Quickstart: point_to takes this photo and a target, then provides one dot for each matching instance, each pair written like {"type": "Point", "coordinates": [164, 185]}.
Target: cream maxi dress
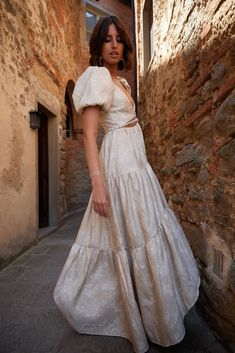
{"type": "Point", "coordinates": [132, 274]}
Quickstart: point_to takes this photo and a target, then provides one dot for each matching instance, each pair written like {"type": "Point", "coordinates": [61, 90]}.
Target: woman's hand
{"type": "Point", "coordinates": [100, 200]}
{"type": "Point", "coordinates": [91, 117]}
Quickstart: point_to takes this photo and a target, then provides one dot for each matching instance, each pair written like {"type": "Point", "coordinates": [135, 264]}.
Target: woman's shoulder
{"type": "Point", "coordinates": [94, 79]}
{"type": "Point", "coordinates": [93, 87]}
{"type": "Point", "coordinates": [96, 73]}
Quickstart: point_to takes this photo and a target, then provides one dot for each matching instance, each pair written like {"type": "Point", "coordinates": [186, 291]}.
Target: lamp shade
{"type": "Point", "coordinates": [35, 119]}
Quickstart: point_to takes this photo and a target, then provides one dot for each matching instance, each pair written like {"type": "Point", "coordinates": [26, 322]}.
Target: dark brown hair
{"type": "Point", "coordinates": [98, 37]}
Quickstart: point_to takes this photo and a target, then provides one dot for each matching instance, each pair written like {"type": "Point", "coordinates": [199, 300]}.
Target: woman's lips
{"type": "Point", "coordinates": [114, 54]}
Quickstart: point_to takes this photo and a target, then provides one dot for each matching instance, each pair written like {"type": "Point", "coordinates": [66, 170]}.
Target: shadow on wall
{"type": "Point", "coordinates": [77, 180]}
{"type": "Point", "coordinates": [187, 106]}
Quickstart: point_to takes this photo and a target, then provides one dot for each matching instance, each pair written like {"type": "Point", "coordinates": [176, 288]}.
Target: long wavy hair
{"type": "Point", "coordinates": [98, 37]}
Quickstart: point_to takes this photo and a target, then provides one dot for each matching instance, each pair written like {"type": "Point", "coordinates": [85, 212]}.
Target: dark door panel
{"type": "Point", "coordinates": [43, 172]}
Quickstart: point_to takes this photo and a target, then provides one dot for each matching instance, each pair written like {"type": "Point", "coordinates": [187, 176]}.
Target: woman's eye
{"type": "Point", "coordinates": [108, 39]}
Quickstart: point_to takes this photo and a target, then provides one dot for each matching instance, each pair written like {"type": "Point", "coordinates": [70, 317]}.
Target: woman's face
{"type": "Point", "coordinates": [112, 48]}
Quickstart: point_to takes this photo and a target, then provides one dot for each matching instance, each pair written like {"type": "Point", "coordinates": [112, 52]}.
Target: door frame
{"type": "Point", "coordinates": [52, 167]}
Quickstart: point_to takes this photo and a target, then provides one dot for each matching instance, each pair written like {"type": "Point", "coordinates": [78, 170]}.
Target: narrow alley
{"type": "Point", "coordinates": [31, 323]}
{"type": "Point", "coordinates": [182, 80]}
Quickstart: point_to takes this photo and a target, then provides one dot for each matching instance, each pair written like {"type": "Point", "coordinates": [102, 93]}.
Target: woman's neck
{"type": "Point", "coordinates": [112, 69]}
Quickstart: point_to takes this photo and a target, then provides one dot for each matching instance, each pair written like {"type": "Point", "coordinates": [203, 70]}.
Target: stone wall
{"type": "Point", "coordinates": [187, 111]}
{"type": "Point", "coordinates": [39, 51]}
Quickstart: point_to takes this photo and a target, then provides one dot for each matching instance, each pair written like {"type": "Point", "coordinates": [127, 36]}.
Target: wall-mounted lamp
{"type": "Point", "coordinates": [35, 119]}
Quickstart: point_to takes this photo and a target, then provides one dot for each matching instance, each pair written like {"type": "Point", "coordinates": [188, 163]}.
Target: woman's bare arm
{"type": "Point", "coordinates": [91, 117]}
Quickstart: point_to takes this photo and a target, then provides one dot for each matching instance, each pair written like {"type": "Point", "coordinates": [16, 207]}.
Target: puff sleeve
{"type": "Point", "coordinates": [93, 87]}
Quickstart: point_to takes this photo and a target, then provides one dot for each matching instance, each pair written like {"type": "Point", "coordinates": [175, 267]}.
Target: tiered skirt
{"type": "Point", "coordinates": [132, 274]}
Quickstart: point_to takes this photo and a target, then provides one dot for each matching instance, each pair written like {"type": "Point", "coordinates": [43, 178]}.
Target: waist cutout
{"type": "Point", "coordinates": [129, 123]}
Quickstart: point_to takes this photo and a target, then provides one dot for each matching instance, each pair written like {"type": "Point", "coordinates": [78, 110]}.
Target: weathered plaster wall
{"type": "Point", "coordinates": [39, 53]}
{"type": "Point", "coordinates": [187, 109]}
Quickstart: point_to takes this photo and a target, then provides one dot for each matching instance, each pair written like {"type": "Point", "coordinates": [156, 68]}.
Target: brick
{"type": "Point", "coordinates": [224, 90]}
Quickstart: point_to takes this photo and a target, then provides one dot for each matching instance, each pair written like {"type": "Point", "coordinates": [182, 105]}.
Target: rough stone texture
{"type": "Point", "coordinates": [31, 323]}
{"type": "Point", "coordinates": [186, 105]}
{"type": "Point", "coordinates": [225, 117]}
{"type": "Point", "coordinates": [78, 185]}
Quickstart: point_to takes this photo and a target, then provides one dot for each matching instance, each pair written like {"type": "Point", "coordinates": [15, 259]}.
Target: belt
{"type": "Point", "coordinates": [123, 125]}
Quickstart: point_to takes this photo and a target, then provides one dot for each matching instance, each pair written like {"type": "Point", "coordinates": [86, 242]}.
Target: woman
{"type": "Point", "coordinates": [131, 271]}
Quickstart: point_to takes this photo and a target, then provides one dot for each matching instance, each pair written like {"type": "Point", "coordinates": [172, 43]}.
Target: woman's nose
{"type": "Point", "coordinates": [114, 43]}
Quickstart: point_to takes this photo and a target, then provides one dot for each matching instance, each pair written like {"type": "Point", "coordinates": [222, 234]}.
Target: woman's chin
{"type": "Point", "coordinates": [111, 63]}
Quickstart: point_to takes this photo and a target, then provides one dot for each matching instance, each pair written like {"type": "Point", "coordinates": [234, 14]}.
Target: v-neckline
{"type": "Point", "coordinates": [119, 84]}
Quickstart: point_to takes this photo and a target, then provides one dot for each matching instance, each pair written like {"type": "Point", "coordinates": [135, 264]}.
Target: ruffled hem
{"type": "Point", "coordinates": [136, 294]}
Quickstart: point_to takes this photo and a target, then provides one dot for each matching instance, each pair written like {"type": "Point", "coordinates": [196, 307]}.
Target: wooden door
{"type": "Point", "coordinates": [43, 182]}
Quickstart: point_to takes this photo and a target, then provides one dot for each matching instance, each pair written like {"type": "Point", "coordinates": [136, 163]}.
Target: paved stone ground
{"type": "Point", "coordinates": [31, 323]}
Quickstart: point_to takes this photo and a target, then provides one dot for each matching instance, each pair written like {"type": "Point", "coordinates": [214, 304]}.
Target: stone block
{"type": "Point", "coordinates": [217, 74]}
{"type": "Point", "coordinates": [177, 199]}
{"type": "Point", "coordinates": [200, 195]}
{"type": "Point", "coordinates": [224, 89]}
{"type": "Point", "coordinates": [216, 300]}
{"type": "Point", "coordinates": [197, 241]}
{"type": "Point", "coordinates": [222, 220]}
{"type": "Point", "coordinates": [203, 109]}
{"type": "Point", "coordinates": [226, 233]}
{"type": "Point", "coordinates": [227, 154]}
{"type": "Point", "coordinates": [182, 110]}
{"type": "Point", "coordinates": [192, 171]}
{"type": "Point", "coordinates": [222, 201]}
{"type": "Point", "coordinates": [168, 170]}
{"type": "Point", "coordinates": [224, 118]}
{"type": "Point", "coordinates": [196, 211]}
{"type": "Point", "coordinates": [232, 276]}
{"type": "Point", "coordinates": [192, 104]}
{"type": "Point", "coordinates": [180, 134]}
{"type": "Point", "coordinates": [189, 154]}
{"type": "Point", "coordinates": [203, 176]}
{"type": "Point", "coordinates": [204, 128]}
{"type": "Point", "coordinates": [206, 92]}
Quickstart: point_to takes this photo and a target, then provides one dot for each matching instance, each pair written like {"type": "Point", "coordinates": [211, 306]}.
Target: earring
{"type": "Point", "coordinates": [122, 62]}
{"type": "Point", "coordinates": [100, 61]}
